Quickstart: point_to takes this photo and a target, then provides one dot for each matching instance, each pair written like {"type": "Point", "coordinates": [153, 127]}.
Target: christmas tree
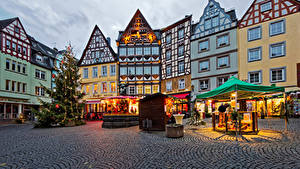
{"type": "Point", "coordinates": [65, 108]}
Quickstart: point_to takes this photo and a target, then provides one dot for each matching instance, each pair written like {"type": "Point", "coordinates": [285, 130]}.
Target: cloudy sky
{"type": "Point", "coordinates": [58, 22]}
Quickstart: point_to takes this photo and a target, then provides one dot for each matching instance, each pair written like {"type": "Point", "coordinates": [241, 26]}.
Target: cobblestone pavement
{"type": "Point", "coordinates": [90, 146]}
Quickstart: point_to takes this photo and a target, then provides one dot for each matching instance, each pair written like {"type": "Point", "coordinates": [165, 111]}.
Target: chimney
{"type": "Point", "coordinates": [108, 40]}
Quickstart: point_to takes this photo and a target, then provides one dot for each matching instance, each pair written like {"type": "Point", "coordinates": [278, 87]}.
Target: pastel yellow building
{"type": "Point", "coordinates": [268, 43]}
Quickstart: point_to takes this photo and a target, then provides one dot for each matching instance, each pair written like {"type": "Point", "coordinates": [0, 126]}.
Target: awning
{"type": "Point", "coordinates": [93, 102]}
{"type": "Point", "coordinates": [121, 97]}
{"type": "Point", "coordinates": [181, 96]}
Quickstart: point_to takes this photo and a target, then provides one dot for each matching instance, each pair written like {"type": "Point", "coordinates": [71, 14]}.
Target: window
{"type": "Point", "coordinates": [181, 67]}
{"type": "Point", "coordinates": [39, 58]}
{"type": "Point", "coordinates": [7, 63]}
{"type": "Point", "coordinates": [222, 80]}
{"type": "Point", "coordinates": [24, 51]}
{"type": "Point", "coordinates": [19, 49]}
{"type": "Point", "coordinates": [13, 86]}
{"type": "Point", "coordinates": [113, 87]}
{"type": "Point", "coordinates": [147, 70]}
{"type": "Point", "coordinates": [14, 46]}
{"type": "Point", "coordinates": [155, 50]}
{"type": "Point", "coordinates": [8, 44]}
{"type": "Point", "coordinates": [130, 51]}
{"type": "Point", "coordinates": [7, 82]}
{"type": "Point", "coordinates": [254, 54]}
{"type": "Point", "coordinates": [155, 89]}
{"type": "Point", "coordinates": [215, 21]}
{"type": "Point", "coordinates": [207, 24]}
{"type": "Point", "coordinates": [203, 66]}
{"type": "Point", "coordinates": [37, 91]}
{"type": "Point", "coordinates": [181, 33]}
{"type": "Point", "coordinates": [140, 89]}
{"type": "Point", "coordinates": [112, 70]}
{"type": "Point", "coordinates": [95, 72]}
{"type": "Point", "coordinates": [95, 88]}
{"type": "Point", "coordinates": [254, 33]}
{"type": "Point", "coordinates": [155, 70]}
{"type": "Point", "coordinates": [86, 73]}
{"type": "Point", "coordinates": [277, 50]}
{"type": "Point", "coordinates": [278, 75]}
{"type": "Point", "coordinates": [223, 40]}
{"type": "Point", "coordinates": [139, 70]}
{"type": "Point", "coordinates": [122, 51]}
{"type": "Point", "coordinates": [147, 89]}
{"type": "Point", "coordinates": [147, 51]}
{"type": "Point", "coordinates": [277, 28]}
{"type": "Point", "coordinates": [24, 88]}
{"type": "Point", "coordinates": [13, 66]}
{"type": "Point", "coordinates": [17, 30]}
{"type": "Point", "coordinates": [24, 69]}
{"type": "Point", "coordinates": [19, 67]}
{"type": "Point", "coordinates": [104, 71]}
{"type": "Point", "coordinates": [131, 70]}
{"type": "Point", "coordinates": [131, 90]}
{"type": "Point", "coordinates": [169, 86]}
{"type": "Point", "coordinates": [181, 84]}
{"type": "Point", "coordinates": [169, 70]}
{"type": "Point", "coordinates": [203, 46]}
{"type": "Point", "coordinates": [37, 73]}
{"type": "Point", "coordinates": [168, 55]}
{"type": "Point", "coordinates": [168, 39]}
{"type": "Point", "coordinates": [42, 91]}
{"type": "Point", "coordinates": [139, 51]}
{"type": "Point", "coordinates": [254, 77]}
{"type": "Point", "coordinates": [104, 87]}
{"type": "Point", "coordinates": [123, 71]}
{"type": "Point", "coordinates": [266, 6]}
{"type": "Point", "coordinates": [19, 87]}
{"type": "Point", "coordinates": [181, 50]}
{"type": "Point", "coordinates": [43, 75]}
{"type": "Point", "coordinates": [97, 54]}
{"type": "Point", "coordinates": [223, 62]}
{"type": "Point", "coordinates": [203, 85]}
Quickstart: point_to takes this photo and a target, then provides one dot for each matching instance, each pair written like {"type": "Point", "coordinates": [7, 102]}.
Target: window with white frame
{"type": "Point", "coordinates": [181, 33]}
{"type": "Point", "coordinates": [203, 46]}
{"type": "Point", "coordinates": [139, 70]}
{"type": "Point", "coordinates": [37, 73]}
{"type": "Point", "coordinates": [254, 54]}
{"type": "Point", "coordinates": [43, 75]}
{"type": "Point", "coordinates": [155, 89]}
{"type": "Point", "coordinates": [254, 77]}
{"type": "Point", "coordinates": [132, 90]}
{"type": "Point", "coordinates": [104, 71]}
{"type": "Point", "coordinates": [254, 33]}
{"type": "Point", "coordinates": [169, 70]}
{"type": "Point", "coordinates": [85, 73]}
{"type": "Point", "coordinates": [181, 67]}
{"type": "Point", "coordinates": [168, 55]}
{"type": "Point", "coordinates": [277, 75]}
{"type": "Point", "coordinates": [277, 49]}
{"type": "Point", "coordinates": [131, 70]}
{"type": "Point", "coordinates": [181, 50]}
{"type": "Point", "coordinates": [147, 51]}
{"type": "Point", "coordinates": [169, 86]}
{"type": "Point", "coordinates": [223, 61]}
{"type": "Point", "coordinates": [139, 51]}
{"type": "Point", "coordinates": [148, 89]}
{"type": "Point", "coordinates": [155, 70]}
{"type": "Point", "coordinates": [155, 50]}
{"type": "Point", "coordinates": [266, 6]}
{"type": "Point", "coordinates": [203, 65]}
{"type": "Point", "coordinates": [95, 72]}
{"type": "Point", "coordinates": [223, 40]}
{"type": "Point", "coordinates": [169, 39]}
{"type": "Point", "coordinates": [130, 51]}
{"type": "Point", "coordinates": [181, 84]}
{"type": "Point", "coordinates": [140, 90]}
{"type": "Point", "coordinates": [122, 51]}
{"type": "Point", "coordinates": [222, 80]}
{"type": "Point", "coordinates": [277, 28]}
{"type": "Point", "coordinates": [123, 71]}
{"type": "Point", "coordinates": [147, 70]}
{"type": "Point", "coordinates": [112, 70]}
{"type": "Point", "coordinates": [203, 85]}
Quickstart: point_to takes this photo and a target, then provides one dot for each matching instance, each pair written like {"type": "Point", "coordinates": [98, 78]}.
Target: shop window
{"type": "Point", "coordinates": [181, 67]}
{"type": "Point", "coordinates": [222, 80]}
{"type": "Point", "coordinates": [203, 85]}
{"type": "Point", "coordinates": [140, 89]}
{"type": "Point", "coordinates": [7, 85]}
{"type": "Point", "coordinates": [131, 90]}
{"type": "Point", "coordinates": [13, 66]}
{"type": "Point", "coordinates": [95, 89]}
{"type": "Point", "coordinates": [168, 54]}
{"type": "Point", "coordinates": [277, 28]}
{"type": "Point", "coordinates": [169, 70]}
{"type": "Point", "coordinates": [122, 51]}
{"type": "Point", "coordinates": [266, 6]}
{"type": "Point", "coordinates": [181, 50]}
{"type": "Point", "coordinates": [8, 64]}
{"type": "Point", "coordinates": [223, 40]}
{"type": "Point", "coordinates": [169, 39]}
{"type": "Point", "coordinates": [104, 87]}
{"type": "Point", "coordinates": [147, 51]}
{"type": "Point", "coordinates": [147, 89]}
{"type": "Point", "coordinates": [203, 65]}
{"type": "Point", "coordinates": [254, 77]}
{"type": "Point", "coordinates": [155, 89]}
{"type": "Point", "coordinates": [278, 74]}
{"type": "Point", "coordinates": [104, 71]}
{"type": "Point", "coordinates": [254, 54]}
{"type": "Point", "coordinates": [223, 62]}
{"type": "Point", "coordinates": [169, 86]}
{"type": "Point", "coordinates": [254, 33]}
{"type": "Point", "coordinates": [8, 44]}
{"type": "Point", "coordinates": [85, 73]}
{"type": "Point", "coordinates": [181, 84]}
{"type": "Point", "coordinates": [113, 87]}
{"type": "Point", "coordinates": [181, 33]}
{"type": "Point", "coordinates": [203, 46]}
{"type": "Point", "coordinates": [277, 50]}
{"type": "Point", "coordinates": [155, 50]}
{"type": "Point", "coordinates": [112, 70]}
{"type": "Point", "coordinates": [95, 72]}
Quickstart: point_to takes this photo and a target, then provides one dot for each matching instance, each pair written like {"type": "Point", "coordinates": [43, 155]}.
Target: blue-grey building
{"type": "Point", "coordinates": [214, 57]}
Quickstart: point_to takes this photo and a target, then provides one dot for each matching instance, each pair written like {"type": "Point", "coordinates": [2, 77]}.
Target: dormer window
{"type": "Point", "coordinates": [39, 58]}
{"type": "Point", "coordinates": [17, 30]}
{"type": "Point", "coordinates": [266, 6]}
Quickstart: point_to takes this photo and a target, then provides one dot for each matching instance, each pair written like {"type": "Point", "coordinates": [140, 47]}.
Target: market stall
{"type": "Point", "coordinates": [235, 94]}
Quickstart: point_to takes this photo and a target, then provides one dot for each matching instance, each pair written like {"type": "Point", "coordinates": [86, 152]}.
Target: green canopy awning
{"type": "Point", "coordinates": [244, 90]}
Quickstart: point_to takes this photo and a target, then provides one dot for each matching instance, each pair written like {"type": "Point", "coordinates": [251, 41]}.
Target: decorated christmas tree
{"type": "Point", "coordinates": [65, 108]}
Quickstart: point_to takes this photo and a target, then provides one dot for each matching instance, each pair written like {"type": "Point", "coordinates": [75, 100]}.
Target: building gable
{"type": "Point", "coordinates": [16, 24]}
{"type": "Point", "coordinates": [265, 10]}
{"type": "Point", "coordinates": [214, 19]}
{"type": "Point", "coordinates": [98, 50]}
{"type": "Point", "coordinates": [138, 31]}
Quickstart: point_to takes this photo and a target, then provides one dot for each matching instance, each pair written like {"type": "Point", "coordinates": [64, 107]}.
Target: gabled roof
{"type": "Point", "coordinates": [186, 18]}
{"type": "Point", "coordinates": [4, 23]}
{"type": "Point", "coordinates": [105, 40]}
{"type": "Point", "coordinates": [39, 47]}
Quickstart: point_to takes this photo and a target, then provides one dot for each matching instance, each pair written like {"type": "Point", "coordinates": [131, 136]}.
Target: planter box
{"type": "Point", "coordinates": [174, 131]}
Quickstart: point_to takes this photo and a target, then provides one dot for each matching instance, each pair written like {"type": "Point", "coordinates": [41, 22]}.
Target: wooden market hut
{"type": "Point", "coordinates": [152, 114]}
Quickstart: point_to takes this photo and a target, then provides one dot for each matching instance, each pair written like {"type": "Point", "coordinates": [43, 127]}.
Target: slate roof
{"type": "Point", "coordinates": [232, 15]}
{"type": "Point", "coordinates": [4, 23]}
